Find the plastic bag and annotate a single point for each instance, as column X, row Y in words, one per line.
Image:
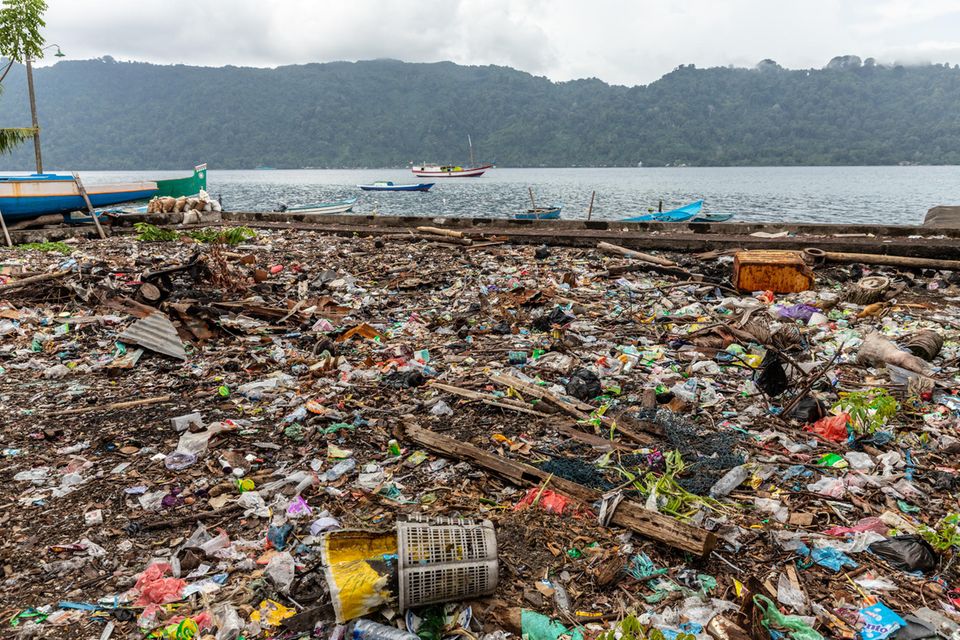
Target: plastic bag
column 794, row 627
column 907, row 553
column 536, row 626
column 832, row 428
column 789, row 595
column 280, row 570
column 584, row 385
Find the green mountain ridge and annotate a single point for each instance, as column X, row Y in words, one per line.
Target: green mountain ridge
column 103, row 114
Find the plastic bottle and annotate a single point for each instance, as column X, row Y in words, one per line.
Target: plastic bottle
column 368, row 630
column 730, row 481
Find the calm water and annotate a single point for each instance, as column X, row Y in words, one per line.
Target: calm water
column 893, row 195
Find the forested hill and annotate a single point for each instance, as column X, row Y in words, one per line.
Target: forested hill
column 102, row 114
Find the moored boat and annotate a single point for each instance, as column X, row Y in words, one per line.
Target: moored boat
column 24, row 197
column 539, row 213
column 340, row 206
column 189, row 186
column 692, row 212
column 386, row 185
column 449, row 171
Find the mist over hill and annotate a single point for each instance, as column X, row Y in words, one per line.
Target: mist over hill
column 103, row 114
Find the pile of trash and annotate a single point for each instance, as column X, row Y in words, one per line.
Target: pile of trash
column 200, row 202
column 302, row 435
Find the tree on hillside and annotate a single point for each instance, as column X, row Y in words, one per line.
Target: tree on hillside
column 20, row 41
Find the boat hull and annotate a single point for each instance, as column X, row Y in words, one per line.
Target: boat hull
column 680, row 214
column 325, row 208
column 32, row 196
column 189, row 186
column 397, row 187
column 440, row 172
column 548, row 213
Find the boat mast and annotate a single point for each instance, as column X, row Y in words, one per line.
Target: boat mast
column 470, row 142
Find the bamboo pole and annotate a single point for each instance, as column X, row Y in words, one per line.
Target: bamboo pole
column 590, row 209
column 533, row 204
column 890, row 261
column 606, row 247
column 86, row 199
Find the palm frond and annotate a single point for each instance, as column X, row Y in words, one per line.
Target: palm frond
column 12, row 138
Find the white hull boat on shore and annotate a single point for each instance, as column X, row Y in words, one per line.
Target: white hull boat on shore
column 320, row 208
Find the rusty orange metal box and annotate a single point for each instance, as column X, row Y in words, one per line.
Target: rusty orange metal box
column 769, row 270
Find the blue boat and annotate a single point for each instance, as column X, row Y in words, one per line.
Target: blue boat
column 25, row 197
column 687, row 213
column 540, row 213
column 386, row 185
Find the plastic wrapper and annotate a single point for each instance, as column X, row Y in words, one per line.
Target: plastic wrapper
column 907, row 553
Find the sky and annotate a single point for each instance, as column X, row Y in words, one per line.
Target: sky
column 619, row 41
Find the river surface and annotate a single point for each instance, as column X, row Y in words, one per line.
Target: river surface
column 890, row 195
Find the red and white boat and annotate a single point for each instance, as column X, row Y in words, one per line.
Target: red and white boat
column 449, row 171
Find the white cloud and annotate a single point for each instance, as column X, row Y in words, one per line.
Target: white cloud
column 625, row 42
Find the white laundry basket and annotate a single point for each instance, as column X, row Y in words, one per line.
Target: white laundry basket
column 445, row 559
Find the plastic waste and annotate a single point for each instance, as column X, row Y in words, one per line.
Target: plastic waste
column 793, row 627
column 789, row 595
column 339, row 470
column 832, row 428
column 281, row 570
column 879, row 622
column 584, row 385
column 364, row 629
column 907, row 553
column 730, row 481
column 229, row 624
column 441, row 408
column 536, row 626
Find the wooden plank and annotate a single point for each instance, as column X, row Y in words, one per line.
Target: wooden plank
column 629, row 514
column 86, row 198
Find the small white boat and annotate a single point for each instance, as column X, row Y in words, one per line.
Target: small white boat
column 341, row 206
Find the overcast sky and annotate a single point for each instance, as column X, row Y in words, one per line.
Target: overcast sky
column 619, row 41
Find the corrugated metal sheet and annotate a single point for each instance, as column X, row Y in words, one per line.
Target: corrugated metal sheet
column 157, row 333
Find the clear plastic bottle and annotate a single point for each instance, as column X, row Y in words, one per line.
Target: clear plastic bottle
column 368, row 630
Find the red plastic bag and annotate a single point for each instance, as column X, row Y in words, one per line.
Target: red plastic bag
column 550, row 501
column 832, row 427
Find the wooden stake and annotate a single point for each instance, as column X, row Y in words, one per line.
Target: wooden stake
column 6, row 234
column 533, row 204
column 86, row 198
column 590, row 210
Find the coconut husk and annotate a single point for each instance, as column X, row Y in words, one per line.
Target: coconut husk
column 924, row 344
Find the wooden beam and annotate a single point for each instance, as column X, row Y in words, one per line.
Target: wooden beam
column 629, row 514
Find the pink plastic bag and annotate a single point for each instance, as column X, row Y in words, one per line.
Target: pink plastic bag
column 154, row 588
column 867, row 524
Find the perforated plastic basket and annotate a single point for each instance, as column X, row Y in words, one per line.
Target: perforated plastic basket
column 445, row 559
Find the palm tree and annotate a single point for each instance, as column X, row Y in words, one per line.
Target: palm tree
column 21, row 41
